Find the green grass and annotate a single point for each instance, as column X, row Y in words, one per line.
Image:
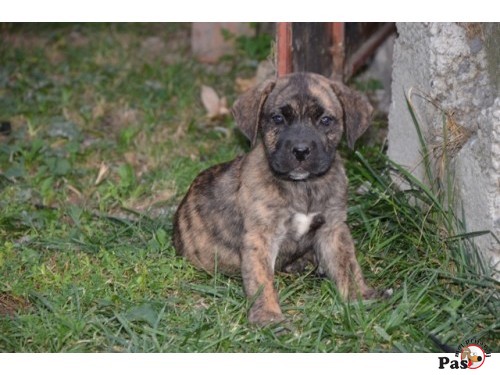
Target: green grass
column 89, row 267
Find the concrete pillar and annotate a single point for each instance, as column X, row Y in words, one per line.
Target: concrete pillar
column 452, row 68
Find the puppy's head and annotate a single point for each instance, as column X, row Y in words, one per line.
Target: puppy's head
column 300, row 119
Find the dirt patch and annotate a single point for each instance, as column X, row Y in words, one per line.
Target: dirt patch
column 153, row 47
column 10, row 304
column 171, row 48
column 115, row 116
column 23, row 40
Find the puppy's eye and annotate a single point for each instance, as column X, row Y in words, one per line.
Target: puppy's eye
column 326, row 120
column 278, row 119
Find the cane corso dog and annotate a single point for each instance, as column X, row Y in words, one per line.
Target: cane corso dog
column 282, row 205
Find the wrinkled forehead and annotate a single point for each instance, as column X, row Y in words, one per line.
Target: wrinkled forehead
column 303, row 93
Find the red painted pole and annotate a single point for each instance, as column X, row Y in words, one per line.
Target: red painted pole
column 284, row 48
column 338, row 50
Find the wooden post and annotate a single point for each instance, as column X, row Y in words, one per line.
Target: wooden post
column 311, row 46
column 304, row 47
column 338, row 50
column 284, row 48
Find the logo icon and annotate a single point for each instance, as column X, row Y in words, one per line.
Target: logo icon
column 474, row 355
column 471, row 354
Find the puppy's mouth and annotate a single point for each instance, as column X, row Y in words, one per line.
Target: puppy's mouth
column 298, row 175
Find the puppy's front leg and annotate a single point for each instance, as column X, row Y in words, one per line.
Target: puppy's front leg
column 337, row 256
column 258, row 276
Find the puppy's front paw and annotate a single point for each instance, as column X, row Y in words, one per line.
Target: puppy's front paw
column 262, row 317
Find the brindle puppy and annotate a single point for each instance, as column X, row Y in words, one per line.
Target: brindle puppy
column 284, row 203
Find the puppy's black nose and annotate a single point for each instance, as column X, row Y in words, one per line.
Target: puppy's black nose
column 301, row 152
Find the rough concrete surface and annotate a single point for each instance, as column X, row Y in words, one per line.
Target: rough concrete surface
column 380, row 69
column 451, row 68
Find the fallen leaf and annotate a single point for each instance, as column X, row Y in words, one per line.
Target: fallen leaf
column 103, row 171
column 74, row 190
column 244, row 84
column 210, row 101
column 215, row 106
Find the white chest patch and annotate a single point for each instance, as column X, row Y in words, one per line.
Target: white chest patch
column 301, row 223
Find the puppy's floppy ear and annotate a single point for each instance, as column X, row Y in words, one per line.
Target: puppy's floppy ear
column 247, row 108
column 357, row 111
